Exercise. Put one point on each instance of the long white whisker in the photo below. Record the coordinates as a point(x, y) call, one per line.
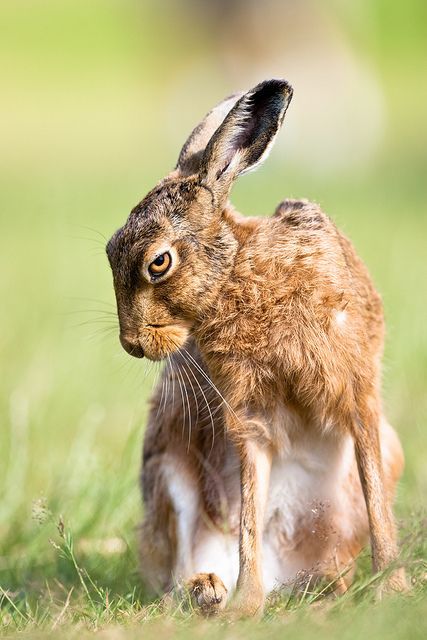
point(178, 373)
point(206, 401)
point(167, 374)
point(195, 398)
point(173, 383)
point(185, 369)
point(161, 398)
point(189, 409)
point(155, 378)
point(206, 377)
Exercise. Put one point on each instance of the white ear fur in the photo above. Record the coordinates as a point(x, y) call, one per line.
point(192, 151)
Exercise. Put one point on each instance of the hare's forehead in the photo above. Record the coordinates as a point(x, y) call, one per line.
point(161, 215)
point(171, 201)
point(135, 238)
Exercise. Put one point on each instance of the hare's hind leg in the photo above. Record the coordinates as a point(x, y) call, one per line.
point(195, 555)
point(157, 539)
point(377, 493)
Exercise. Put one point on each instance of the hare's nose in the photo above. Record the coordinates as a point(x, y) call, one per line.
point(132, 346)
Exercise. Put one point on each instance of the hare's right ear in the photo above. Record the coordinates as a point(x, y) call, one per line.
point(246, 136)
point(194, 148)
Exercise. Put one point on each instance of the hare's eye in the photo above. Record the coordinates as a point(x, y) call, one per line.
point(160, 265)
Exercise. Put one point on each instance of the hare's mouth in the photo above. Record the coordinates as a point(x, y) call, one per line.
point(159, 326)
point(155, 341)
point(161, 340)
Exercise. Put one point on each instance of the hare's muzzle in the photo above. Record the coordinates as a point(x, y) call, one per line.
point(132, 346)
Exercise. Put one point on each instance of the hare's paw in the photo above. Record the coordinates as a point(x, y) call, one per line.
point(208, 593)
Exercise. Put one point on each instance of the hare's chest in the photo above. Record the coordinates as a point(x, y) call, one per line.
point(248, 314)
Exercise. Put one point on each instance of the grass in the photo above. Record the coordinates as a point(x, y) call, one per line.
point(75, 406)
point(78, 605)
point(82, 139)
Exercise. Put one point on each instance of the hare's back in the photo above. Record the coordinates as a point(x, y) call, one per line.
point(298, 261)
point(302, 230)
point(314, 252)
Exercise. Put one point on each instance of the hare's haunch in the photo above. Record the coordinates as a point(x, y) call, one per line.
point(267, 458)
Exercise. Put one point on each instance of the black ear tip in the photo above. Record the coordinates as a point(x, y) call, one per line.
point(286, 88)
point(281, 85)
point(274, 86)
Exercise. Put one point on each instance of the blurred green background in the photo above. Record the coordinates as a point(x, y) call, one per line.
point(96, 99)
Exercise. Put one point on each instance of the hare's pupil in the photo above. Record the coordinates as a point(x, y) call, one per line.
point(159, 261)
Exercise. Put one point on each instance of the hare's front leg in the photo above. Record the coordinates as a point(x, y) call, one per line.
point(377, 498)
point(255, 466)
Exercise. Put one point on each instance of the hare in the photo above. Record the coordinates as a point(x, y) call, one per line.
point(267, 458)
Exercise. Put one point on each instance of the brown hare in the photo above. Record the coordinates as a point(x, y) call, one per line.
point(267, 457)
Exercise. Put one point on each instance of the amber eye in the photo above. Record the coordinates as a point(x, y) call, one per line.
point(160, 265)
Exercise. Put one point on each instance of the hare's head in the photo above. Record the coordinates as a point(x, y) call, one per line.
point(176, 249)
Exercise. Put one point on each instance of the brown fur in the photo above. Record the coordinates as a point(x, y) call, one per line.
point(280, 312)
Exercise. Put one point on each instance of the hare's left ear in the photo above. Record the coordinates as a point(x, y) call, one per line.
point(246, 136)
point(195, 145)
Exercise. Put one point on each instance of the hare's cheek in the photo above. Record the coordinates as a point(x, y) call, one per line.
point(176, 335)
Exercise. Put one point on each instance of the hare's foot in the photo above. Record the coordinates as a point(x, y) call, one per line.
point(394, 583)
point(247, 603)
point(208, 593)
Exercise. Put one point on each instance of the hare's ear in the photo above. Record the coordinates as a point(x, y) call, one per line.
point(246, 136)
point(194, 148)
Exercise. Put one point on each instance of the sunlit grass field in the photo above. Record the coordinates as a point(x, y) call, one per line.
point(75, 157)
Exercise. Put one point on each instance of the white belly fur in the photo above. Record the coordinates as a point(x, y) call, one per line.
point(302, 481)
point(312, 476)
point(304, 485)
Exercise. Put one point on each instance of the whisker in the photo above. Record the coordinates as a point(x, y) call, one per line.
point(98, 325)
point(142, 370)
point(95, 300)
point(99, 329)
point(206, 401)
point(92, 230)
point(182, 399)
point(167, 376)
point(204, 374)
point(188, 406)
point(96, 241)
point(100, 313)
point(184, 370)
point(102, 321)
point(156, 366)
point(161, 398)
point(148, 369)
point(173, 384)
point(101, 334)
